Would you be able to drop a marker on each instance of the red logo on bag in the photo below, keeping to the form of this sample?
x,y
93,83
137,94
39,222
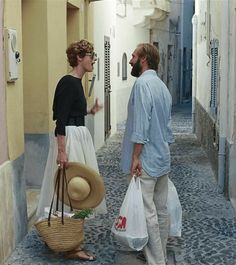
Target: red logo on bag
x,y
120,223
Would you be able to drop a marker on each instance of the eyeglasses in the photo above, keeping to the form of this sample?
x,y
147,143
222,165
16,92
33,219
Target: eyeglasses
x,y
93,55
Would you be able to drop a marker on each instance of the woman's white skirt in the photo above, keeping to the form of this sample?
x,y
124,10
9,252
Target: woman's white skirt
x,y
79,148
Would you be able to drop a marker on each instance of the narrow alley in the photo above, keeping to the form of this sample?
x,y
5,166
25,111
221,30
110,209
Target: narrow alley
x,y
209,221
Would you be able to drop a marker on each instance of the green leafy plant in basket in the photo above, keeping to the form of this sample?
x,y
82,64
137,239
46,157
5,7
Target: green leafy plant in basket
x,y
82,214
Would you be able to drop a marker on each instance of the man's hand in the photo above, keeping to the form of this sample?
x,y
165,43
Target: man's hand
x,y
136,167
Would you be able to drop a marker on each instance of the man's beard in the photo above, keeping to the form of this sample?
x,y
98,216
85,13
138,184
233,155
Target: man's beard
x,y
136,70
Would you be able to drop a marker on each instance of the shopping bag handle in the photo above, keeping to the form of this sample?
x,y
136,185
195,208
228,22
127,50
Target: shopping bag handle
x,y
137,181
60,177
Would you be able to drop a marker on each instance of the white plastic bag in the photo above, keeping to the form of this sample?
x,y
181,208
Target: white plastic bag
x,y
130,228
174,210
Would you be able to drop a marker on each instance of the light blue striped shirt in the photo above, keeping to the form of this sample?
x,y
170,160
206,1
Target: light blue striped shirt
x,y
148,123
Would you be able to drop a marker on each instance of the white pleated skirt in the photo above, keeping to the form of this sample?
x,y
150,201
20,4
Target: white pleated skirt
x,y
79,148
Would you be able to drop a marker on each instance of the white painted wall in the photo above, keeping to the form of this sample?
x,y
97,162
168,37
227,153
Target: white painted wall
x,y
166,32
232,74
104,25
223,28
124,37
127,38
3,134
232,104
160,34
203,68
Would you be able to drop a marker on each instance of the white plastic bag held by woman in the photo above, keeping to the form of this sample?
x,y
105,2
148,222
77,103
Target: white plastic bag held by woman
x,y
130,228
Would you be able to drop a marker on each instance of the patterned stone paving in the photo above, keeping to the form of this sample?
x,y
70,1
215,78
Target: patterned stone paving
x,y
209,221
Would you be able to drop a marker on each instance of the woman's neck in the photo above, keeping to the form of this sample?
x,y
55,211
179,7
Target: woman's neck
x,y
77,72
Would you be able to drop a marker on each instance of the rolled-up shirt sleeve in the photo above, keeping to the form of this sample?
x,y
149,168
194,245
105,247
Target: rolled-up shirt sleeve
x,y
142,113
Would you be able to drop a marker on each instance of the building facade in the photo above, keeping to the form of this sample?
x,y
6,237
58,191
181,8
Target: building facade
x,y
171,32
34,37
125,23
214,87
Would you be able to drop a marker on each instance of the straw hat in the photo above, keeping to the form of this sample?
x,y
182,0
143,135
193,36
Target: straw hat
x,y
85,186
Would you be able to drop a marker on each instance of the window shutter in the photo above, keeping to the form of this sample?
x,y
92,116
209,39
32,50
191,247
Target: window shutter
x,y
107,65
214,46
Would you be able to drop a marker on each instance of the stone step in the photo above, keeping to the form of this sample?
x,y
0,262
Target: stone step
x,y
32,197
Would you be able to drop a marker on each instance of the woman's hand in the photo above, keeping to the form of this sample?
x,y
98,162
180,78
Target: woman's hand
x,y
96,107
62,158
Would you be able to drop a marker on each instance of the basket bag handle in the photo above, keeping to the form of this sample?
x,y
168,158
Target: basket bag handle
x,y
60,179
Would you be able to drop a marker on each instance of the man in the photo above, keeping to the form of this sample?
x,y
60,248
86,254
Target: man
x,y
145,149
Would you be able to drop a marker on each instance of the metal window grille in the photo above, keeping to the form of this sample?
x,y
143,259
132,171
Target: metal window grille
x,y
214,46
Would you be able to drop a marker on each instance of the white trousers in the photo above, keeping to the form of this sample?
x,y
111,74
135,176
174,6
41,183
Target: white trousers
x,y
155,192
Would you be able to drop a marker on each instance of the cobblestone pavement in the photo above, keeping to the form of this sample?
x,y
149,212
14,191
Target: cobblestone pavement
x,y
209,221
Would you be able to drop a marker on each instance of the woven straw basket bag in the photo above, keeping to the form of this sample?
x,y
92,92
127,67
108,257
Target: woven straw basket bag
x,y
61,233
62,237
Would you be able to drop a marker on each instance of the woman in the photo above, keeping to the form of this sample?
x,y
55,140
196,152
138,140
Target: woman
x,y
73,141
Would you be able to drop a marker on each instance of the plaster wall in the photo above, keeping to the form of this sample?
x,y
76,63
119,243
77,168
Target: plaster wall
x,y
203,42
13,215
3,134
7,231
128,37
35,66
117,24
48,28
103,26
14,90
223,125
232,107
160,34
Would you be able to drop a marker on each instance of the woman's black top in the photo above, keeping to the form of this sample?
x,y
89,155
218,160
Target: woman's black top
x,y
69,104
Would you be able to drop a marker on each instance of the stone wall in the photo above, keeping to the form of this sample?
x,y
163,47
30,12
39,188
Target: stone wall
x,y
13,214
208,134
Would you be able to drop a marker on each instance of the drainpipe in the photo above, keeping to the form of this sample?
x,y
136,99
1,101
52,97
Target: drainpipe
x,y
223,92
181,94
194,80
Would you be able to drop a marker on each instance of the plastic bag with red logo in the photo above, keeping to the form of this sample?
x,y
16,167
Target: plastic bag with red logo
x,y
130,228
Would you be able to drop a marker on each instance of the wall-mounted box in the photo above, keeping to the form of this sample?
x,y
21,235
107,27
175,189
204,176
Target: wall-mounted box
x,y
12,56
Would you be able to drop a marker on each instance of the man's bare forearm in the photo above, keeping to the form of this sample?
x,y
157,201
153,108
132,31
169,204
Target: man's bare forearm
x,y
137,150
136,165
